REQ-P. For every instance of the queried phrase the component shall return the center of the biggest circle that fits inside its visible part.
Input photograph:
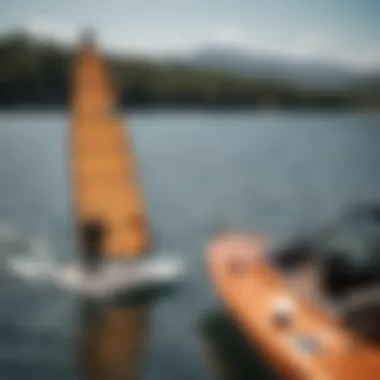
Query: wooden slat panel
(103, 175)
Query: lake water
(200, 172)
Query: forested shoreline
(36, 75)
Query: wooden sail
(104, 181)
(105, 189)
(301, 342)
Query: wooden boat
(102, 165)
(105, 189)
(295, 337)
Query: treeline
(32, 73)
(36, 74)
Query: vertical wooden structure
(105, 190)
(104, 182)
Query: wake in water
(30, 258)
(35, 265)
(33, 262)
(111, 279)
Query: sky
(336, 31)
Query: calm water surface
(200, 172)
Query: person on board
(91, 237)
(341, 263)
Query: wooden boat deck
(311, 344)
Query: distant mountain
(269, 66)
(254, 65)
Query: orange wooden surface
(250, 295)
(104, 180)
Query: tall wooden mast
(104, 181)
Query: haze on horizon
(344, 32)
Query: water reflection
(227, 351)
(111, 341)
(112, 336)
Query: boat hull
(298, 339)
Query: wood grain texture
(111, 338)
(104, 180)
(250, 288)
